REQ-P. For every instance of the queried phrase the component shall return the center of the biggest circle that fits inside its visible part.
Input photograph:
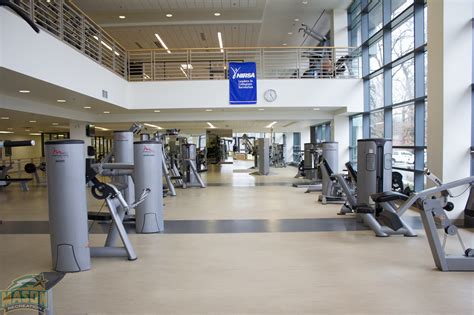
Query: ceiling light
(162, 43)
(32, 121)
(2, 131)
(217, 14)
(316, 108)
(284, 44)
(187, 66)
(10, 128)
(55, 124)
(290, 33)
(153, 126)
(208, 110)
(5, 118)
(61, 101)
(27, 130)
(87, 107)
(35, 134)
(219, 37)
(122, 17)
(304, 2)
(101, 128)
(296, 20)
(24, 91)
(106, 112)
(271, 125)
(169, 15)
(261, 109)
(184, 72)
(210, 125)
(157, 110)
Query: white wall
(22, 152)
(449, 91)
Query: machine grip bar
(21, 143)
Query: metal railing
(272, 63)
(68, 23)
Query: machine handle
(21, 143)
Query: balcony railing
(68, 23)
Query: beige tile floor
(252, 273)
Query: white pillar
(289, 147)
(449, 91)
(77, 131)
(340, 134)
(339, 34)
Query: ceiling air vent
(105, 94)
(203, 36)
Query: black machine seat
(328, 169)
(351, 171)
(387, 196)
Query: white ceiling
(243, 23)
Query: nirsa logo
(237, 75)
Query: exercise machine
(189, 173)
(262, 156)
(5, 179)
(309, 168)
(331, 190)
(67, 202)
(277, 155)
(31, 168)
(433, 203)
(374, 175)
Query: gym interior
(237, 157)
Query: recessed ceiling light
(208, 110)
(169, 15)
(157, 110)
(27, 130)
(106, 112)
(284, 44)
(210, 125)
(153, 126)
(1, 131)
(10, 128)
(87, 107)
(5, 118)
(24, 91)
(296, 20)
(122, 17)
(217, 14)
(35, 134)
(55, 124)
(61, 101)
(271, 125)
(316, 108)
(32, 121)
(304, 2)
(290, 33)
(261, 109)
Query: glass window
(376, 55)
(356, 134)
(375, 19)
(377, 124)
(403, 82)
(403, 125)
(403, 158)
(403, 39)
(356, 36)
(376, 92)
(398, 6)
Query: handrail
(67, 22)
(237, 47)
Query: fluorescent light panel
(210, 125)
(2, 131)
(162, 43)
(219, 37)
(153, 126)
(271, 125)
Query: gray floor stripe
(249, 184)
(217, 226)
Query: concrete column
(339, 37)
(77, 131)
(449, 91)
(340, 134)
(289, 147)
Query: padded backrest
(352, 171)
(327, 167)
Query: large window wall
(391, 38)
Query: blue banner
(243, 82)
